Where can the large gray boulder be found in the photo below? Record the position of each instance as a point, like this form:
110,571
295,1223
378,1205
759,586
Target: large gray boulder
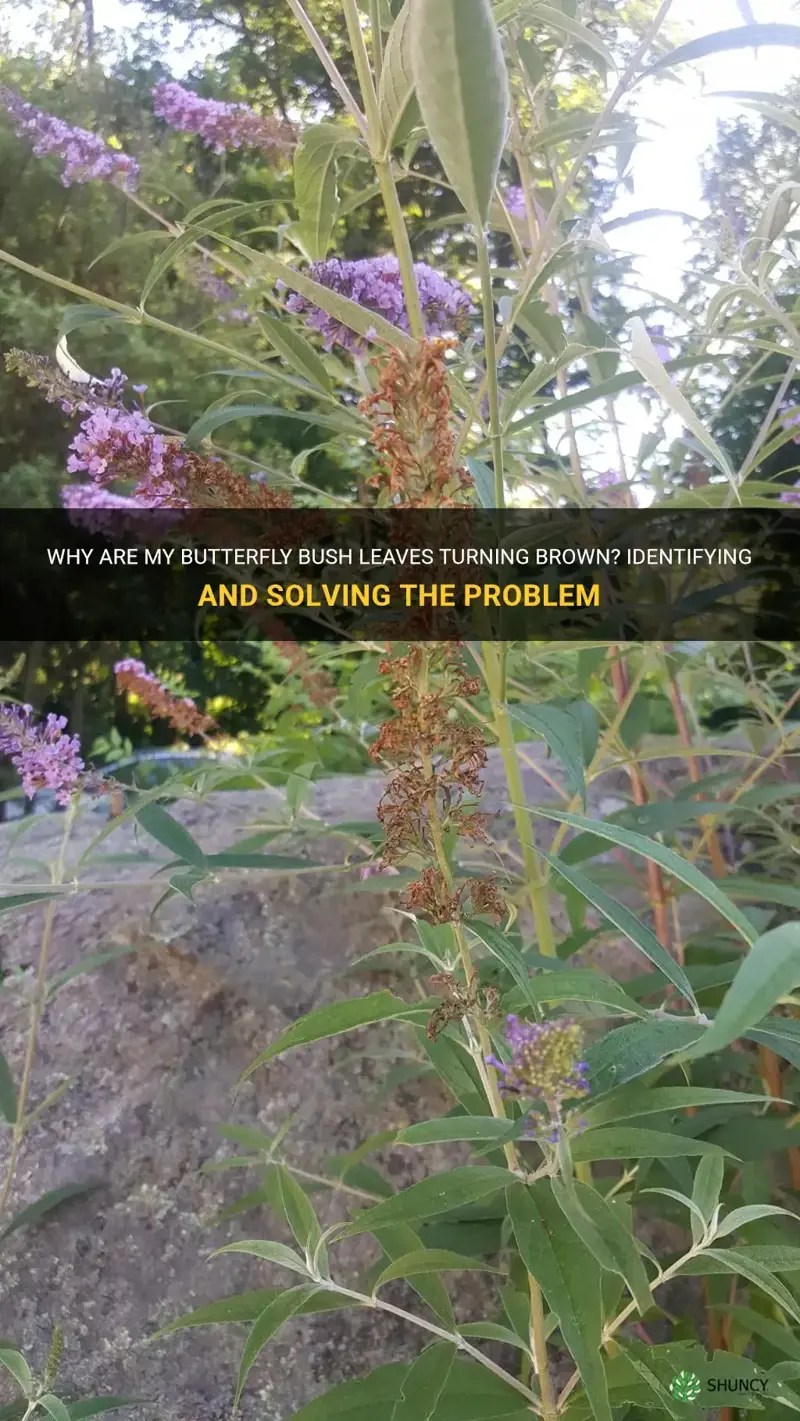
154,1044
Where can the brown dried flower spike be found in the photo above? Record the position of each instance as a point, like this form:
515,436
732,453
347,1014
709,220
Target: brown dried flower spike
410,414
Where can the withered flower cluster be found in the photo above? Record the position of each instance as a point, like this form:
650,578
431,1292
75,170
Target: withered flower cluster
459,1001
438,763
410,414
180,711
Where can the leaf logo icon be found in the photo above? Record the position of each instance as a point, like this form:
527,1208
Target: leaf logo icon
685,1386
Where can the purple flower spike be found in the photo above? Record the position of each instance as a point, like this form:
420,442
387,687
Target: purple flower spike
86,156
544,1066
376,285
43,756
219,125
514,199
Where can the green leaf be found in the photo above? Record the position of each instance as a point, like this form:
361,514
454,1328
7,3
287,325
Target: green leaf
271,1253
748,888
430,1197
562,23
483,1128
77,317
13,901
782,1037
737,1262
299,1212
680,868
87,964
743,37
779,1336
639,1357
569,1279
632,1050
748,1215
396,87
770,971
295,350
266,1326
627,922
642,354
161,826
333,1020
8,1094
456,1068
627,380
315,185
483,479
580,984
628,1103
430,1260
246,1307
15,1363
462,87
562,733
630,1142
706,1190
45,1204
424,1383
227,414
54,1407
504,951
602,1230
399,1241
99,1405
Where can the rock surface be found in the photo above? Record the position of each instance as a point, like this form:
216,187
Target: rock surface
154,1043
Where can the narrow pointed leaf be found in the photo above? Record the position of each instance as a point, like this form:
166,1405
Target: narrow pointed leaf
743,37
431,1260
569,1278
266,1326
334,1020
630,1142
483,1128
438,1195
770,971
643,355
562,733
680,868
462,87
599,1225
8,1094
315,185
270,1252
160,825
295,350
246,1307
627,922
424,1383
396,86
45,1204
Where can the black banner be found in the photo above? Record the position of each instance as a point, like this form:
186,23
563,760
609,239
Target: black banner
398,575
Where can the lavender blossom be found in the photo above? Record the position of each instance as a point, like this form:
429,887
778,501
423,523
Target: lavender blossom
86,156
219,125
514,199
790,419
660,346
375,284
791,495
115,443
43,756
544,1065
225,295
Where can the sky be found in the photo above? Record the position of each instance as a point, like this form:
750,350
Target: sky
677,119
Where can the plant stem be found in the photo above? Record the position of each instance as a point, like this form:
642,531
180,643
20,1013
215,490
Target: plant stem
38,1003
455,1337
328,64
402,246
490,345
377,36
534,880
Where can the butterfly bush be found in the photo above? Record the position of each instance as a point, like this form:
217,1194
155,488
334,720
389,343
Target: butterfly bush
85,155
232,310
41,753
221,126
375,284
545,1065
180,711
